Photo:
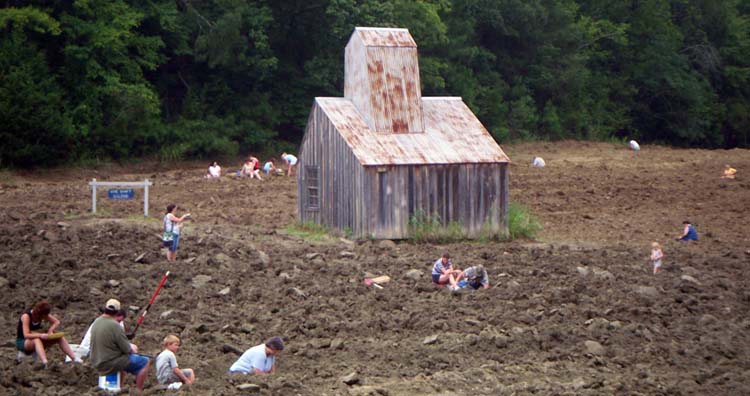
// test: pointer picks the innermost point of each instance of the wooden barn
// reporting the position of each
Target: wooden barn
(383, 154)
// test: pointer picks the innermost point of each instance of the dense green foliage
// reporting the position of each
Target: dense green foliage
(90, 79)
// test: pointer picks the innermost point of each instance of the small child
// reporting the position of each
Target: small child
(729, 172)
(167, 371)
(656, 256)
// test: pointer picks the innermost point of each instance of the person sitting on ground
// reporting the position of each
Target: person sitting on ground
(538, 162)
(729, 172)
(167, 371)
(84, 348)
(214, 171)
(260, 359)
(111, 352)
(247, 168)
(444, 274)
(634, 145)
(29, 340)
(291, 161)
(656, 256)
(476, 277)
(688, 232)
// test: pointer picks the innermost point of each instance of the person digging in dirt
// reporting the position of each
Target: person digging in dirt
(444, 274)
(688, 232)
(260, 359)
(29, 340)
(111, 352)
(84, 348)
(269, 167)
(729, 172)
(476, 277)
(167, 371)
(291, 162)
(173, 224)
(656, 256)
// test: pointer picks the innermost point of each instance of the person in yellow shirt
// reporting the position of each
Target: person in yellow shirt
(729, 172)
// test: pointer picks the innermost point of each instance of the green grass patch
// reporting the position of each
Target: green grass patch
(425, 228)
(309, 231)
(521, 223)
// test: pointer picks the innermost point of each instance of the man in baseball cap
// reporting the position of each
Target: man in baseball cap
(260, 359)
(110, 349)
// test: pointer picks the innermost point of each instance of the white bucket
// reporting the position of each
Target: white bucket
(110, 383)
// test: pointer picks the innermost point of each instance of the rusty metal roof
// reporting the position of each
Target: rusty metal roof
(385, 37)
(452, 135)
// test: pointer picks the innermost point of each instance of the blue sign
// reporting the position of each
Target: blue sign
(120, 193)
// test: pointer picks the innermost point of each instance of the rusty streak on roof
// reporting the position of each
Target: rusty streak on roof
(452, 135)
(385, 37)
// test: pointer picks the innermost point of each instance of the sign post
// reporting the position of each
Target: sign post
(122, 193)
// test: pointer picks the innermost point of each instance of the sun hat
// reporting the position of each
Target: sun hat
(112, 305)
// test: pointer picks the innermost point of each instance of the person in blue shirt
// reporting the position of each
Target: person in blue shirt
(260, 359)
(688, 233)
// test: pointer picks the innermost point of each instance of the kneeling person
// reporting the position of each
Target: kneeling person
(167, 370)
(476, 277)
(260, 359)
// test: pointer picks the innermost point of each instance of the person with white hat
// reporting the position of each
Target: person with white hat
(111, 351)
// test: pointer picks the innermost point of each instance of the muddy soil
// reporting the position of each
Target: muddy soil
(576, 312)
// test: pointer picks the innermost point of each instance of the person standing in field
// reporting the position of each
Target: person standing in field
(656, 256)
(173, 224)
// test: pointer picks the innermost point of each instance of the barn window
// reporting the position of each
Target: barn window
(313, 187)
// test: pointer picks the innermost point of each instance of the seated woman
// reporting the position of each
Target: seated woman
(214, 171)
(247, 168)
(28, 340)
(256, 168)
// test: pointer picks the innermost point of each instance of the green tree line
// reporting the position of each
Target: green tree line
(84, 80)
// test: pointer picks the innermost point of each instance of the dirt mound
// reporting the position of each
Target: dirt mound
(577, 313)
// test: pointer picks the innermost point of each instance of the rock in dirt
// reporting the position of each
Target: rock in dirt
(285, 276)
(226, 348)
(429, 340)
(247, 387)
(387, 244)
(647, 291)
(224, 291)
(264, 258)
(346, 241)
(414, 274)
(351, 378)
(337, 343)
(51, 236)
(63, 224)
(15, 216)
(112, 283)
(583, 271)
(594, 348)
(347, 254)
(140, 258)
(165, 314)
(313, 256)
(297, 293)
(222, 258)
(200, 281)
(473, 322)
(603, 274)
(688, 278)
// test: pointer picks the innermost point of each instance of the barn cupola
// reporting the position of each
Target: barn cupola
(381, 79)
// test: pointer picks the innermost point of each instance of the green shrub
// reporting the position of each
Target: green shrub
(309, 231)
(521, 223)
(429, 228)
